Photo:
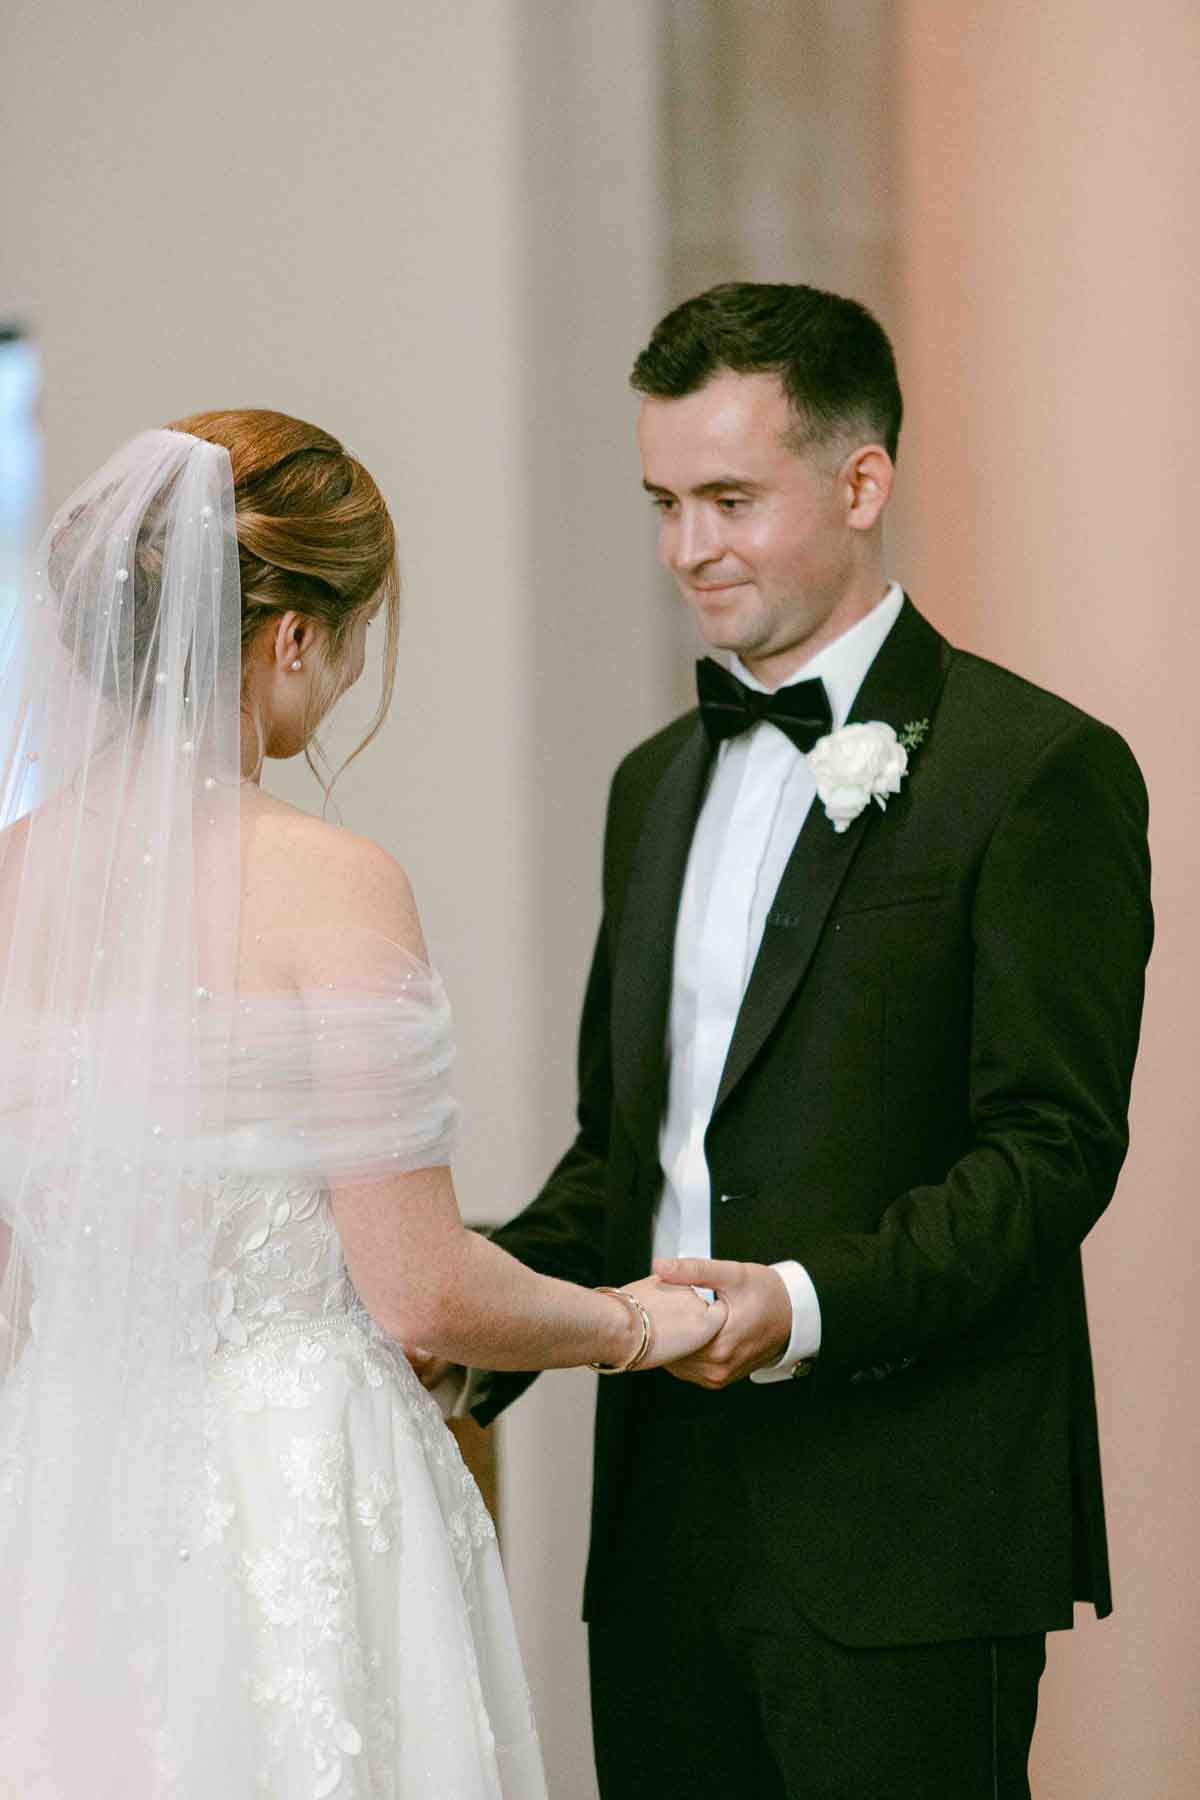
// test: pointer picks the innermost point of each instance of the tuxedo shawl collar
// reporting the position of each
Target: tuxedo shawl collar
(902, 684)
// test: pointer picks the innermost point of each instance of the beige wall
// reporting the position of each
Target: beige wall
(1050, 180)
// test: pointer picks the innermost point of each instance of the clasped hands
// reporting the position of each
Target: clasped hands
(756, 1324)
(747, 1328)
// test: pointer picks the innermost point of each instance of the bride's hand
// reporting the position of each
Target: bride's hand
(680, 1321)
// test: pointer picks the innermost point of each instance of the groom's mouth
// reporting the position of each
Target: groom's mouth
(715, 589)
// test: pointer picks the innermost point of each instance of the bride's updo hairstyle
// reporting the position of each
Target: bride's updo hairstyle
(314, 536)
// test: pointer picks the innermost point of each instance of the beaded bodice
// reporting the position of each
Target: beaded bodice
(277, 1259)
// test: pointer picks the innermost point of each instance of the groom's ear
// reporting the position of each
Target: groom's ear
(865, 479)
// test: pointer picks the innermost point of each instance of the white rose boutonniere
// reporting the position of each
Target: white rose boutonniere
(861, 763)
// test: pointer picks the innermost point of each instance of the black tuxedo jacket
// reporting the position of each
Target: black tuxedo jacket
(925, 1103)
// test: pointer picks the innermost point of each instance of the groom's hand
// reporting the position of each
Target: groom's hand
(757, 1328)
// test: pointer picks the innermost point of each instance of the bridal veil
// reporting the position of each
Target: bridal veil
(136, 1069)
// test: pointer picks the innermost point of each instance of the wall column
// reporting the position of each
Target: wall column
(1051, 267)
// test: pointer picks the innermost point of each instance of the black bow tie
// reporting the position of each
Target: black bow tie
(728, 707)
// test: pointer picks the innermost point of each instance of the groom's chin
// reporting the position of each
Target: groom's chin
(718, 633)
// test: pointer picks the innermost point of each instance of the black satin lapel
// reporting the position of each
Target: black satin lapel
(815, 871)
(646, 939)
(901, 686)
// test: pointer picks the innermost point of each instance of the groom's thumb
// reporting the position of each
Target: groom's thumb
(692, 1271)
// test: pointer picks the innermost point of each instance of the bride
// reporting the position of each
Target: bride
(239, 1552)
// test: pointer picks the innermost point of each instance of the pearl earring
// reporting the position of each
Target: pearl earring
(297, 664)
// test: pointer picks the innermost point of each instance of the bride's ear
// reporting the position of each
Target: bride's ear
(291, 637)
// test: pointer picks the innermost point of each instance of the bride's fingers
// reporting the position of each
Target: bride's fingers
(709, 1321)
(718, 1310)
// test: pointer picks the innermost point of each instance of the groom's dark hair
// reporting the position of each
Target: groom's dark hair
(831, 355)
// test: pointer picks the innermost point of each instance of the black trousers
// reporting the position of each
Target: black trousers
(707, 1681)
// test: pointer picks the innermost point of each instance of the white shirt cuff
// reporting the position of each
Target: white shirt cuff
(805, 1340)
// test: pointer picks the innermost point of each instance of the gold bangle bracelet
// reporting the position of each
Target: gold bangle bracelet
(639, 1313)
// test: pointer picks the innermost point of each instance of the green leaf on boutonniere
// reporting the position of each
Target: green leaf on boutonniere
(913, 735)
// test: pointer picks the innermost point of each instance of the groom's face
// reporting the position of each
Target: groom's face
(756, 535)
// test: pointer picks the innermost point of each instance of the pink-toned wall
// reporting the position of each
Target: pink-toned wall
(1049, 186)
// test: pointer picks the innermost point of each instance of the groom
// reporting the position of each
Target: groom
(856, 1052)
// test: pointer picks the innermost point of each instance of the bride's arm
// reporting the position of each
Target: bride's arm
(427, 1280)
(422, 1275)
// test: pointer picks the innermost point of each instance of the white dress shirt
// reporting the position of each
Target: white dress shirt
(758, 797)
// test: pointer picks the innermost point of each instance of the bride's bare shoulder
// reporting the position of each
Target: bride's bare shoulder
(303, 872)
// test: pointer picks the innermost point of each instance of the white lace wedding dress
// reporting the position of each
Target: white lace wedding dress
(380, 1645)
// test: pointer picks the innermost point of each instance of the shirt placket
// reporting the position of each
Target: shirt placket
(722, 964)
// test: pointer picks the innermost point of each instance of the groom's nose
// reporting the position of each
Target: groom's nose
(698, 539)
